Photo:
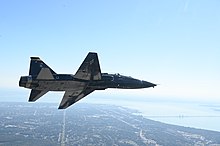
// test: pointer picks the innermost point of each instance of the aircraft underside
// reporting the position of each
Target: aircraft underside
(59, 85)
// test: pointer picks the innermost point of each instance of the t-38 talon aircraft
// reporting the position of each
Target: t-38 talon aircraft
(87, 79)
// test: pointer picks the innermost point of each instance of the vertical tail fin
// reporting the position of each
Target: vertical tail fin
(40, 69)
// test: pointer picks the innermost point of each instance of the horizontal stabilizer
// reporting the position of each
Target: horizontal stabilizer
(36, 94)
(90, 68)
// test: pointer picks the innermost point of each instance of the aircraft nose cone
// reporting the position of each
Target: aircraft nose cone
(148, 84)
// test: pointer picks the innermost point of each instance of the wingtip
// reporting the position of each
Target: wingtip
(92, 53)
(60, 107)
(35, 58)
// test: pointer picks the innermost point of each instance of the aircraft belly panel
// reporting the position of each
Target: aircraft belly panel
(59, 85)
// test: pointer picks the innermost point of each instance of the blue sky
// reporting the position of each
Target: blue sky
(172, 43)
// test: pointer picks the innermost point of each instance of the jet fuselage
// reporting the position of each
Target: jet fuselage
(88, 78)
(63, 82)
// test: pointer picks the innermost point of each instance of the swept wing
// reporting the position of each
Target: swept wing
(89, 70)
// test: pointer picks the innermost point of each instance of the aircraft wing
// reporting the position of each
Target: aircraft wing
(71, 97)
(36, 94)
(90, 68)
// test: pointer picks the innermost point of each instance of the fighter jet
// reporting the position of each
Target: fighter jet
(87, 79)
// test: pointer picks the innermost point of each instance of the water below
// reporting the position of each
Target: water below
(194, 115)
(184, 114)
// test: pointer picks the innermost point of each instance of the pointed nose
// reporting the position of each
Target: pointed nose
(148, 84)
